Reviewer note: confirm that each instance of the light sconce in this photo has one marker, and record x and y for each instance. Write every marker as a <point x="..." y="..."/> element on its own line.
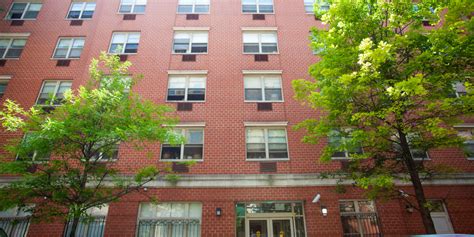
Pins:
<point x="324" y="210"/>
<point x="409" y="208"/>
<point x="145" y="189"/>
<point x="218" y="211"/>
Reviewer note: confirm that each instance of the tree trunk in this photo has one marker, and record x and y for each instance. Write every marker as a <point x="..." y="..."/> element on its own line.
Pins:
<point x="75" y="223"/>
<point x="415" y="179"/>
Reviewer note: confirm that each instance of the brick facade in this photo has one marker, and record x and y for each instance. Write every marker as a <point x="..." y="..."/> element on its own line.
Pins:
<point x="224" y="111"/>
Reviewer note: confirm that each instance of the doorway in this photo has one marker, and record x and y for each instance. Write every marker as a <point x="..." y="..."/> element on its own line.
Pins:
<point x="269" y="227"/>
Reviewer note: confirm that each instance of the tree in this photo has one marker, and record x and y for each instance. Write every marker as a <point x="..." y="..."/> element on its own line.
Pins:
<point x="81" y="136"/>
<point x="385" y="83"/>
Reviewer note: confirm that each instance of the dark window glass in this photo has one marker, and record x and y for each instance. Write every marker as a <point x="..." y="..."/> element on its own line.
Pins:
<point x="269" y="48"/>
<point x="277" y="150"/>
<point x="31" y="15"/>
<point x="131" y="48"/>
<point x="87" y="14"/>
<point x="251" y="48"/>
<point x="256" y="151"/>
<point x="185" y="8"/>
<point x="192" y="152"/>
<point x="14" y="52"/>
<point x="199" y="48"/>
<point x="125" y="8"/>
<point x="249" y="8"/>
<point x="266" y="8"/>
<point x="253" y="94"/>
<point x="74" y="14"/>
<point x="196" y="94"/>
<point x="170" y="152"/>
<point x="273" y="94"/>
<point x="176" y="94"/>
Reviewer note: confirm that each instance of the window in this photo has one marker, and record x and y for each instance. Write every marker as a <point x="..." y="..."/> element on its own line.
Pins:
<point x="81" y="10"/>
<point x="263" y="88"/>
<point x="417" y="152"/>
<point x="68" y="48"/>
<point x="93" y="227"/>
<point x="132" y="6"/>
<point x="186" y="88"/>
<point x="266" y="143"/>
<point x="11" y="47"/>
<point x="52" y="92"/>
<point x="439" y="215"/>
<point x="24" y="11"/>
<point x="309" y="5"/>
<point x="33" y="155"/>
<point x="468" y="135"/>
<point x="359" y="218"/>
<point x="124" y="43"/>
<point x="257" y="6"/>
<point x="15" y="221"/>
<point x="3" y="84"/>
<point x="191" y="149"/>
<point x="193" y="6"/>
<point x="260" y="42"/>
<point x="459" y="89"/>
<point x="336" y="139"/>
<point x="107" y="153"/>
<point x="170" y="219"/>
<point x="190" y="42"/>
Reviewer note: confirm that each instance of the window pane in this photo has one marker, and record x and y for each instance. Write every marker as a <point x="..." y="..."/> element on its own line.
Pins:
<point x="4" y="43"/>
<point x="186" y="2"/>
<point x="19" y="6"/>
<point x="194" y="136"/>
<point x="252" y="82"/>
<point x="265" y="1"/>
<point x="249" y="1"/>
<point x="346" y="206"/>
<point x="255" y="136"/>
<point x="133" y="38"/>
<point x="201" y="8"/>
<point x="90" y="6"/>
<point x="170" y="152"/>
<point x="78" y="43"/>
<point x="119" y="38"/>
<point x="139" y="9"/>
<point x="77" y="6"/>
<point x="276" y="136"/>
<point x="197" y="82"/>
<point x="192" y="152"/>
<point x="256" y="151"/>
<point x="196" y="94"/>
<point x="253" y="94"/>
<point x="131" y="48"/>
<point x="277" y="151"/>
<point x="266" y="9"/>
<point x="195" y="210"/>
<point x="125" y="8"/>
<point x="178" y="210"/>
<point x="269" y="48"/>
<point x="199" y="48"/>
<point x="74" y="14"/>
<point x="19" y="43"/>
<point x="13" y="53"/>
<point x="308" y="1"/>
<point x="251" y="48"/>
<point x="250" y="38"/>
<point x="269" y="38"/>
<point x="116" y="48"/>
<point x="163" y="210"/>
<point x="273" y="95"/>
<point x="60" y="53"/>
<point x="64" y="43"/>
<point x="185" y="8"/>
<point x="35" y="7"/>
<point x="249" y="8"/>
<point x="200" y="38"/>
<point x="177" y="82"/>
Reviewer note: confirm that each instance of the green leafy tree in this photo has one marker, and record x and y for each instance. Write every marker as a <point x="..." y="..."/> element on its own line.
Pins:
<point x="385" y="83"/>
<point x="81" y="137"/>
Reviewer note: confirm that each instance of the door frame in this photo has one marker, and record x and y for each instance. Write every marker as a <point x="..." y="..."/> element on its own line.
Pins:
<point x="269" y="218"/>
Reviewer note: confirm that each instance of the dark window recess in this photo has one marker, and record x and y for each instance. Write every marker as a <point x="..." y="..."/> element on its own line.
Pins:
<point x="2" y="63"/>
<point x="258" y="16"/>
<point x="426" y="23"/>
<point x="48" y="109"/>
<point x="129" y="17"/>
<point x="123" y="57"/>
<point x="192" y="16"/>
<point x="345" y="165"/>
<point x="189" y="58"/>
<point x="32" y="168"/>
<point x="180" y="168"/>
<point x="76" y="23"/>
<point x="63" y="63"/>
<point x="264" y="107"/>
<point x="268" y="167"/>
<point x="184" y="106"/>
<point x="17" y="23"/>
<point x="261" y="58"/>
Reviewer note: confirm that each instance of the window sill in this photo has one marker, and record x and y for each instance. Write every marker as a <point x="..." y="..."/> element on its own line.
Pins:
<point x="57" y="59"/>
<point x="265" y="101"/>
<point x="197" y="13"/>
<point x="186" y="101"/>
<point x="78" y="19"/>
<point x="13" y="59"/>
<point x="20" y="19"/>
<point x="130" y="13"/>
<point x="262" y="13"/>
<point x="173" y="53"/>
<point x="267" y="160"/>
<point x="118" y="54"/>
<point x="340" y="158"/>
<point x="260" y="53"/>
<point x="470" y="158"/>
<point x="177" y="161"/>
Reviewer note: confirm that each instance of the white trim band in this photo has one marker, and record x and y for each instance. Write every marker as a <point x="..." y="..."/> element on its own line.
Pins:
<point x="262" y="72"/>
<point x="15" y="34"/>
<point x="191" y="28"/>
<point x="266" y="124"/>
<point x="191" y="124"/>
<point x="187" y="72"/>
<point x="259" y="28"/>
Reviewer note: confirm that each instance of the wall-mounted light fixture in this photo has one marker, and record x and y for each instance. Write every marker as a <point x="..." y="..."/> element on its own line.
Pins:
<point x="324" y="210"/>
<point x="409" y="208"/>
<point x="218" y="211"/>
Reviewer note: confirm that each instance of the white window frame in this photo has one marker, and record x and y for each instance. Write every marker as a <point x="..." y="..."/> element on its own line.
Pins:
<point x="84" y="4"/>
<point x="10" y="45"/>
<point x="257" y="3"/>
<point x="191" y="33"/>
<point x="33" y="158"/>
<point x="184" y="129"/>
<point x="445" y="214"/>
<point x="187" y="77"/>
<point x="127" y="33"/>
<point x="467" y="141"/>
<point x="193" y="11"/>
<point x="94" y="212"/>
<point x="24" y="12"/>
<point x="312" y="5"/>
<point x="56" y="89"/>
<point x="132" y="10"/>
<point x="262" y="82"/>
<point x="260" y="41"/>
<point x="4" y="79"/>
<point x="267" y="153"/>
<point x="17" y="217"/>
<point x="73" y="39"/>
<point x="346" y="152"/>
<point x="357" y="211"/>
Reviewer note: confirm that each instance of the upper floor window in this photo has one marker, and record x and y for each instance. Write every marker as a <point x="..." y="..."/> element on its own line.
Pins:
<point x="124" y="43"/>
<point x="193" y="6"/>
<point x="15" y="221"/>
<point x="459" y="89"/>
<point x="33" y="155"/>
<point x="81" y="10"/>
<point x="132" y="6"/>
<point x="257" y="6"/>
<point x="3" y="84"/>
<point x="94" y="226"/>
<point x="52" y="92"/>
<point x="170" y="219"/>
<point x="416" y="151"/>
<point x="186" y="88"/>
<point x="309" y="5"/>
<point x="359" y="218"/>
<point x="191" y="149"/>
<point x="11" y="47"/>
<point x="336" y="139"/>
<point x="266" y="143"/>
<point x="263" y="88"/>
<point x="260" y="42"/>
<point x="69" y="48"/>
<point x="191" y="42"/>
<point x="468" y="134"/>
<point x="24" y="11"/>
<point x="107" y="152"/>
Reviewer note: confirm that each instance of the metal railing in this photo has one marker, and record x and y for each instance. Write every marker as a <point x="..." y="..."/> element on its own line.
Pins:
<point x="15" y="226"/>
<point x="91" y="228"/>
<point x="360" y="225"/>
<point x="169" y="228"/>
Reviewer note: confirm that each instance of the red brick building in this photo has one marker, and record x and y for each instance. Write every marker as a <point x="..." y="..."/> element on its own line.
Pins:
<point x="227" y="66"/>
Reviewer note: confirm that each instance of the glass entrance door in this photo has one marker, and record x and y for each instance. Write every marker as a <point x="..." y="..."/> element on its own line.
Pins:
<point x="270" y="227"/>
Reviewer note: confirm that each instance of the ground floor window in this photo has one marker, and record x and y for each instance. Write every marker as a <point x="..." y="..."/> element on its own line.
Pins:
<point x="440" y="217"/>
<point x="359" y="218"/>
<point x="170" y="220"/>
<point x="270" y="219"/>
<point x="93" y="225"/>
<point x="14" y="221"/>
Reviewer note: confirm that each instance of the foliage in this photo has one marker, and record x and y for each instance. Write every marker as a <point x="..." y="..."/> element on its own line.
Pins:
<point x="386" y="82"/>
<point x="81" y="137"/>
